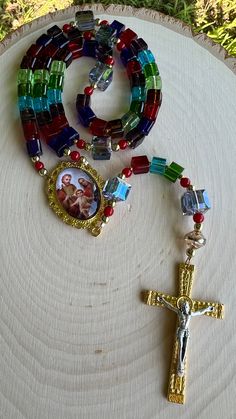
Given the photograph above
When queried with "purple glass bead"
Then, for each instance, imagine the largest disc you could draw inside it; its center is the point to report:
(145, 125)
(34, 148)
(126, 55)
(138, 45)
(82, 101)
(86, 115)
(118, 26)
(135, 137)
(89, 48)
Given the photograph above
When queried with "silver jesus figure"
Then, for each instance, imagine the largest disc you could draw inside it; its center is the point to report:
(184, 314)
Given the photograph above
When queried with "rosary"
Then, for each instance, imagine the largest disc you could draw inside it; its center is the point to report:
(76, 192)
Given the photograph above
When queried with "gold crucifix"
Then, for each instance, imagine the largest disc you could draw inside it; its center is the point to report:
(185, 308)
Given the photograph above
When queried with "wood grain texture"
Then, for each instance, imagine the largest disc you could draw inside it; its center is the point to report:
(75, 339)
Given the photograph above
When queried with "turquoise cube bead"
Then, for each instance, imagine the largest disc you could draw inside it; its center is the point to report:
(40, 104)
(25, 102)
(138, 93)
(146, 57)
(116, 189)
(158, 165)
(54, 96)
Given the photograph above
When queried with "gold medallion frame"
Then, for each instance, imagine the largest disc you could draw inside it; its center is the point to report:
(93, 224)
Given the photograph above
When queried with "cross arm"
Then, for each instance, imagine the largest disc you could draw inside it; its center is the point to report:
(150, 298)
(217, 313)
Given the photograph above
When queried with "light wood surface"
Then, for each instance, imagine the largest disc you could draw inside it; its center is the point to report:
(75, 339)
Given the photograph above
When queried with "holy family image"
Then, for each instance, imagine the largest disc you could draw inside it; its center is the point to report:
(77, 193)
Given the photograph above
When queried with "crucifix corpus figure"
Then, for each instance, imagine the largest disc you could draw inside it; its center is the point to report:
(185, 308)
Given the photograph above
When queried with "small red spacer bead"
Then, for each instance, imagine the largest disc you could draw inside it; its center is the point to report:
(109, 61)
(127, 171)
(88, 90)
(198, 218)
(66, 27)
(75, 155)
(123, 144)
(87, 35)
(81, 144)
(38, 165)
(104, 22)
(185, 182)
(108, 211)
(120, 46)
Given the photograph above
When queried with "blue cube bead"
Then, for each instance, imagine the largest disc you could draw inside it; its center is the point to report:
(40, 104)
(44, 40)
(116, 189)
(118, 26)
(89, 48)
(54, 96)
(195, 201)
(70, 134)
(146, 57)
(126, 55)
(34, 148)
(138, 93)
(101, 148)
(158, 165)
(85, 115)
(25, 102)
(145, 125)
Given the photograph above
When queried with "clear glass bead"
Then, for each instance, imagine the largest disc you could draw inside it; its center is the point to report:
(195, 239)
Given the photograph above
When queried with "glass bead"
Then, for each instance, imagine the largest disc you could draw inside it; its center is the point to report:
(99, 127)
(115, 128)
(25, 102)
(41, 76)
(129, 120)
(137, 79)
(56, 81)
(153, 82)
(136, 107)
(65, 55)
(138, 45)
(24, 76)
(158, 165)
(173, 171)
(118, 26)
(86, 115)
(40, 104)
(61, 41)
(39, 90)
(146, 57)
(85, 20)
(126, 55)
(140, 164)
(76, 50)
(138, 93)
(54, 31)
(27, 62)
(30, 129)
(133, 66)
(116, 189)
(101, 148)
(82, 100)
(103, 52)
(44, 40)
(25, 89)
(105, 35)
(27, 114)
(57, 67)
(33, 50)
(43, 118)
(145, 125)
(151, 111)
(90, 48)
(75, 35)
(195, 201)
(49, 51)
(44, 62)
(101, 75)
(54, 96)
(150, 69)
(34, 148)
(154, 96)
(135, 138)
(195, 239)
(127, 37)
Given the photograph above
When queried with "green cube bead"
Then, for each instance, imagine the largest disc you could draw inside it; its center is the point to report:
(41, 76)
(173, 171)
(25, 89)
(40, 90)
(129, 121)
(24, 76)
(153, 82)
(151, 69)
(56, 81)
(136, 107)
(57, 67)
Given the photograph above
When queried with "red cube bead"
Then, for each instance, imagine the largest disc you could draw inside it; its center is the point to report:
(140, 164)
(34, 50)
(30, 129)
(151, 111)
(76, 49)
(49, 51)
(99, 127)
(133, 67)
(127, 37)
(154, 96)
